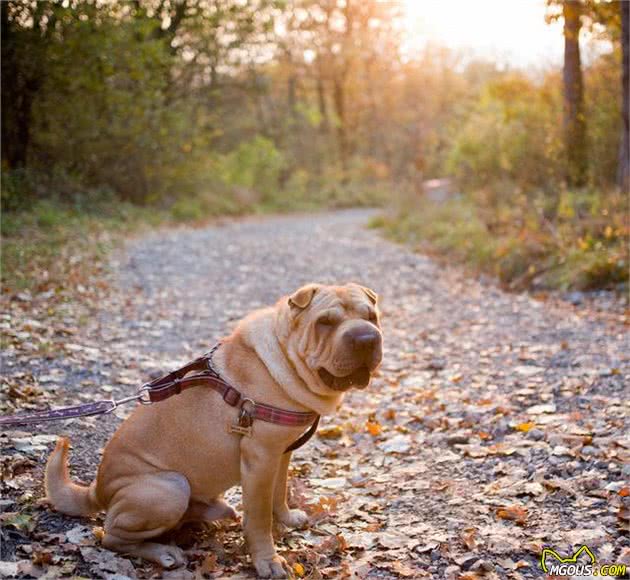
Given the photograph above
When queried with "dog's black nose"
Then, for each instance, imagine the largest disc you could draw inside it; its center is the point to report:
(363, 339)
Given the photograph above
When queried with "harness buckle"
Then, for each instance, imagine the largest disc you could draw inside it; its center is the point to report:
(231, 396)
(243, 424)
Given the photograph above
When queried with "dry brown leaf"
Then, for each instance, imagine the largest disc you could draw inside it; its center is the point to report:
(330, 432)
(403, 569)
(209, 564)
(42, 558)
(99, 533)
(514, 513)
(390, 414)
(468, 538)
(374, 428)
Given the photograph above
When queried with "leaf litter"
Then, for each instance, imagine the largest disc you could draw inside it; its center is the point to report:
(497, 424)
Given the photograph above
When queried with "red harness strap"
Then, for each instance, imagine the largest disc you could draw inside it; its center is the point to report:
(176, 382)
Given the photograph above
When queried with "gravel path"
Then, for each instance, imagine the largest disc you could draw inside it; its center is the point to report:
(498, 424)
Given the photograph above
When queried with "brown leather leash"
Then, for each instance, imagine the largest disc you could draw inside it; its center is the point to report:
(174, 383)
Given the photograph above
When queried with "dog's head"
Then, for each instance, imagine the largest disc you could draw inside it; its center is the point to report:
(332, 334)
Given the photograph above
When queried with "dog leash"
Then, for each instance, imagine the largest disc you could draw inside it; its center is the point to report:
(174, 383)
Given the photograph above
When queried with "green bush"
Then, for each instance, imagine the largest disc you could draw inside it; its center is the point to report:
(512, 135)
(586, 248)
(254, 164)
(198, 207)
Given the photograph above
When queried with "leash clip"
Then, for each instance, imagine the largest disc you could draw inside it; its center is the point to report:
(243, 424)
(142, 396)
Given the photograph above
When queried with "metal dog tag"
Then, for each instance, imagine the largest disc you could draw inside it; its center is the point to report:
(239, 430)
(243, 425)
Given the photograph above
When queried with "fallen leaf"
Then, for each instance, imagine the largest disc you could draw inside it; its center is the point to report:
(397, 444)
(98, 532)
(80, 535)
(330, 432)
(539, 409)
(103, 560)
(403, 569)
(468, 538)
(209, 564)
(42, 558)
(330, 483)
(515, 513)
(374, 428)
(20, 521)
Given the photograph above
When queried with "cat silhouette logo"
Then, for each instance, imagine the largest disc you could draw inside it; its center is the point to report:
(553, 563)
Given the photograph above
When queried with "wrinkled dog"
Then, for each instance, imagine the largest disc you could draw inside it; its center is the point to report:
(170, 462)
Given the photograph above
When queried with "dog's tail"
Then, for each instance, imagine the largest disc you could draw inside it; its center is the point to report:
(67, 497)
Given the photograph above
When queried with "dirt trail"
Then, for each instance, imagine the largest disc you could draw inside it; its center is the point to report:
(499, 424)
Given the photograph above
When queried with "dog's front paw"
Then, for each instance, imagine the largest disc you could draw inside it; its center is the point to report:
(274, 567)
(293, 519)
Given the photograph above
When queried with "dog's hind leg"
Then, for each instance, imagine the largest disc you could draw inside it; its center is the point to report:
(146, 508)
(216, 509)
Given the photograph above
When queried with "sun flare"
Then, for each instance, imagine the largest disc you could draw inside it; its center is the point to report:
(515, 31)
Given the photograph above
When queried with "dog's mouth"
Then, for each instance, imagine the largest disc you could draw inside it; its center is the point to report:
(359, 378)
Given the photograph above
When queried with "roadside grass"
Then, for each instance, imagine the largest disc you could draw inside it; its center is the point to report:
(58, 248)
(584, 248)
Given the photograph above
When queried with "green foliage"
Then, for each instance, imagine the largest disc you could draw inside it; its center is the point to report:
(603, 113)
(511, 138)
(103, 108)
(512, 135)
(51, 245)
(194, 110)
(452, 228)
(200, 207)
(255, 165)
(586, 248)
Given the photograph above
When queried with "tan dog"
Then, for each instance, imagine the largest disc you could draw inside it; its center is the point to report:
(170, 462)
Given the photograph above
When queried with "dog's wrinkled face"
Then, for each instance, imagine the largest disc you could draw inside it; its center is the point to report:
(334, 335)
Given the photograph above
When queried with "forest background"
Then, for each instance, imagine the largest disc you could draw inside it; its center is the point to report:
(125, 113)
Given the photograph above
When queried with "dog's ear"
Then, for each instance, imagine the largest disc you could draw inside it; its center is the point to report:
(302, 298)
(373, 296)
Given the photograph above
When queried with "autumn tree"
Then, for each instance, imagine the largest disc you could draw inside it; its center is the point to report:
(623, 174)
(27, 29)
(574, 119)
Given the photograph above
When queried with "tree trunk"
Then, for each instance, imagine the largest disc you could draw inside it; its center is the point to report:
(623, 172)
(342, 136)
(574, 120)
(16, 100)
(292, 95)
(323, 108)
(291, 134)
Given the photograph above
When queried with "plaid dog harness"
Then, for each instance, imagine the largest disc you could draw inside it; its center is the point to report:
(174, 383)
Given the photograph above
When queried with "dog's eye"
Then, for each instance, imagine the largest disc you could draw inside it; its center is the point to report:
(327, 320)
